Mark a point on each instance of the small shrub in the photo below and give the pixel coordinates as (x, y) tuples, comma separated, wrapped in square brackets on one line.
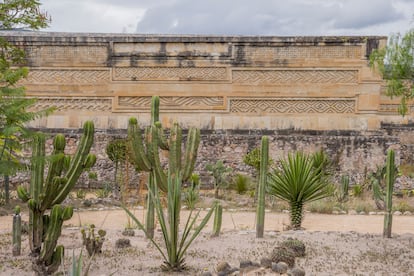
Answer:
[(93, 175), (102, 193), (80, 194), (363, 207), (403, 206), (191, 197), (357, 190), (2, 198), (241, 183), (321, 207)]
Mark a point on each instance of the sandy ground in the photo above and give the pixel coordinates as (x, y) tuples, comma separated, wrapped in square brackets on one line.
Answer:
[(335, 244)]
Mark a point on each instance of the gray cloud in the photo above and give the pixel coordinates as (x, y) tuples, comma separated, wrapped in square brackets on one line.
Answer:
[(264, 17), (225, 17)]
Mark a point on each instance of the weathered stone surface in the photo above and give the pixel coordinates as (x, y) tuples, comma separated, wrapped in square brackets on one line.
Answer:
[(213, 82)]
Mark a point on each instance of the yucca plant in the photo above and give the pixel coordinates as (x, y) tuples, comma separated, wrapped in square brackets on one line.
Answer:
[(298, 181), (175, 245)]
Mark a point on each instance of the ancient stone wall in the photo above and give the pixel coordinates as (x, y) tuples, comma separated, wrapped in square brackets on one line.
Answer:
[(306, 93), (212, 82)]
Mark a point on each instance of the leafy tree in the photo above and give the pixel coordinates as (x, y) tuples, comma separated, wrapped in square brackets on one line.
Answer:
[(395, 63), (219, 172), (298, 181), (14, 107)]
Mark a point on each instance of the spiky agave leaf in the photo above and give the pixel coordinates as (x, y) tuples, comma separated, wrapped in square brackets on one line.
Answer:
[(297, 182)]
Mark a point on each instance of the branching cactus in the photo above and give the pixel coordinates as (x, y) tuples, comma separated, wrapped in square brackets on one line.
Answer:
[(390, 176), (47, 193), (92, 242), (144, 154), (264, 160), (17, 232)]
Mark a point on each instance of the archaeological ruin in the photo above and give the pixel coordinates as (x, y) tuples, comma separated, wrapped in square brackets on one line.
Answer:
[(306, 93)]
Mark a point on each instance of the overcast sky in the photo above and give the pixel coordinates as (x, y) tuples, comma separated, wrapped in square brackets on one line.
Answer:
[(232, 17)]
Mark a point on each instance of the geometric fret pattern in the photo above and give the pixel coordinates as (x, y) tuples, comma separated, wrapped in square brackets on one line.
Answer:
[(292, 106), (169, 103), (67, 76), (269, 54), (294, 76), (169, 73), (66, 104)]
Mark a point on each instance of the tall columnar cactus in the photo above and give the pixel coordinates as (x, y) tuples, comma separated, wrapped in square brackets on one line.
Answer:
[(17, 232), (48, 193), (218, 217), (264, 160), (144, 154), (389, 179)]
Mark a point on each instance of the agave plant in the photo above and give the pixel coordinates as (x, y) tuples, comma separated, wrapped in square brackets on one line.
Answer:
[(298, 181), (176, 245)]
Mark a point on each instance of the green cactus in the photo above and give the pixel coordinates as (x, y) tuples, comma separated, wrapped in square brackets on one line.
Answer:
[(390, 176), (92, 242), (264, 158), (283, 254), (218, 217), (17, 232), (297, 246), (48, 193), (144, 154)]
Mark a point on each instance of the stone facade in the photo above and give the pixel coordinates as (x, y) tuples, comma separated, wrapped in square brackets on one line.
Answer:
[(306, 93), (212, 82)]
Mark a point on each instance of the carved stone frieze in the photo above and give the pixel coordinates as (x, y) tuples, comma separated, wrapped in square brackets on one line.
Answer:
[(62, 76), (172, 103), (294, 76), (66, 104), (170, 73), (292, 105)]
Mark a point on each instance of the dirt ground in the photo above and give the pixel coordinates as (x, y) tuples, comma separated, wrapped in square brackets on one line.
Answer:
[(335, 244)]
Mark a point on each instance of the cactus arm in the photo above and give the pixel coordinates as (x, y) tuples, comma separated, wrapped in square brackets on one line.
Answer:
[(56, 259), (218, 216), (54, 230), (390, 179), (36, 187), (264, 159), (136, 147), (193, 141), (175, 150), (50, 192), (155, 109), (150, 218), (160, 176), (163, 143), (17, 232), (57, 162), (22, 193), (38, 166), (78, 162)]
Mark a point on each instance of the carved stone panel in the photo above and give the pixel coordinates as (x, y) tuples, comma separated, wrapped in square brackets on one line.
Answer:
[(62, 76), (172, 103), (170, 74), (294, 76), (82, 104), (292, 105)]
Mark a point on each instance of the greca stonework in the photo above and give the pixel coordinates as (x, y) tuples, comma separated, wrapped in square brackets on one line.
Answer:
[(306, 93)]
